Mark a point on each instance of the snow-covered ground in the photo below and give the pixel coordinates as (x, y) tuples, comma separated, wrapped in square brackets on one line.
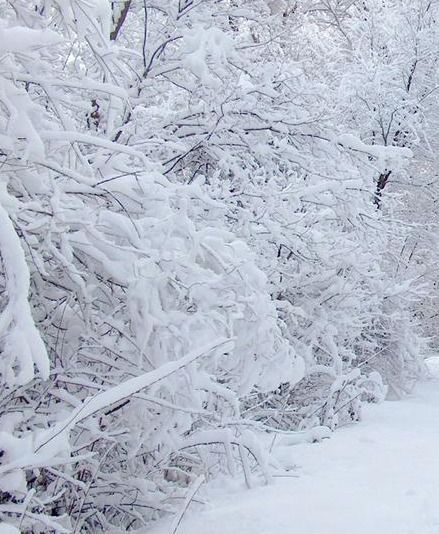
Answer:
[(377, 477)]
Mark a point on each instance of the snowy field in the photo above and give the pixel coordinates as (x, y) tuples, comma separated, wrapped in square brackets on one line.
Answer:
[(377, 477)]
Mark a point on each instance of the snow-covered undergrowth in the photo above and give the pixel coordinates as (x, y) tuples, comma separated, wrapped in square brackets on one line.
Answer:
[(195, 250), (383, 471)]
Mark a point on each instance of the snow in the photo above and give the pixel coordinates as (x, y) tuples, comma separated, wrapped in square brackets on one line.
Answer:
[(8, 529), (376, 477), (203, 185), (16, 322), (386, 155), (84, 138), (19, 39), (122, 391)]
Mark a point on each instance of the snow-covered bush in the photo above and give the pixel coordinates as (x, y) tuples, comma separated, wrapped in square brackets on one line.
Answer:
[(127, 278), (191, 247), (253, 120)]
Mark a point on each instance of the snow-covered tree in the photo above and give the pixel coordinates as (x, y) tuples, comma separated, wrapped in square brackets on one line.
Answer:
[(191, 246)]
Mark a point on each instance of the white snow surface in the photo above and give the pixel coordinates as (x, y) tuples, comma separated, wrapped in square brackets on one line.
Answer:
[(380, 476)]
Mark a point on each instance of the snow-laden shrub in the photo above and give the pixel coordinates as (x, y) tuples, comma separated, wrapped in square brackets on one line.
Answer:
[(155, 318), (126, 296), (188, 235), (256, 128)]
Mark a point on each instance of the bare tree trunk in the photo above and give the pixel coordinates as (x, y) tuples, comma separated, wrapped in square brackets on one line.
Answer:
[(119, 19), (381, 184)]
